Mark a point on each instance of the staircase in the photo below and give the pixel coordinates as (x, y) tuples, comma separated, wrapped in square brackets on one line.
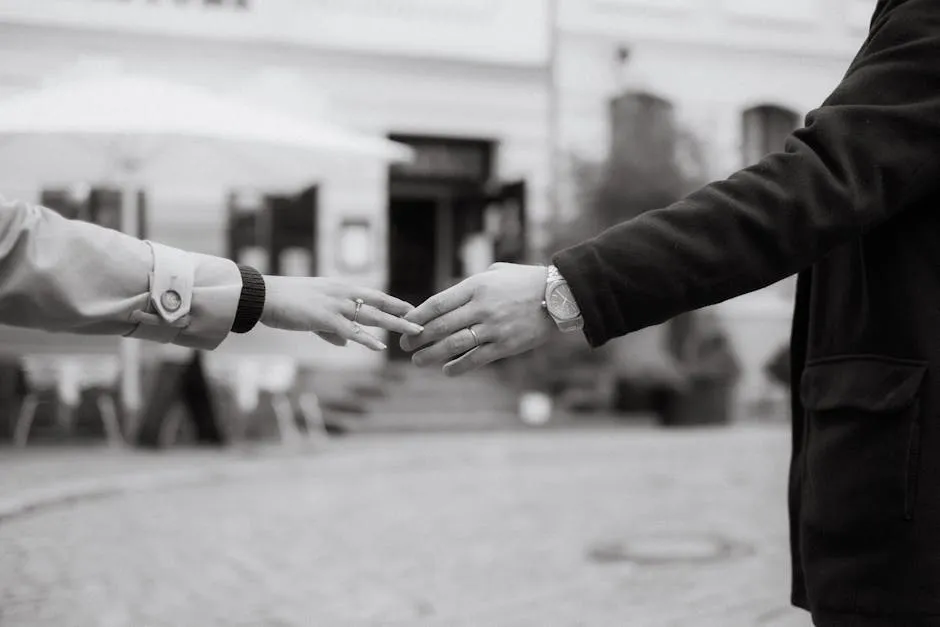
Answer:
[(403, 398)]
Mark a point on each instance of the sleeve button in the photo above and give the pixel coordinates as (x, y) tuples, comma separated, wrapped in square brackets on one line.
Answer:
[(171, 300)]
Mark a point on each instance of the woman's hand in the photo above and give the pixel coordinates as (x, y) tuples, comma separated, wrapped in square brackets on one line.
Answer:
[(328, 308)]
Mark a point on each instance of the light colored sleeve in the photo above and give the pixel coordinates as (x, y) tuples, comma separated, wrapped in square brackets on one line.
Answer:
[(69, 276)]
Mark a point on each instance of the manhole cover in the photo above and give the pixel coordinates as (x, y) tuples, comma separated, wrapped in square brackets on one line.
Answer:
[(667, 549)]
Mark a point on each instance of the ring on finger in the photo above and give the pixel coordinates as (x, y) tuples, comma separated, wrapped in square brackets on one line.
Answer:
[(476, 338), (359, 303)]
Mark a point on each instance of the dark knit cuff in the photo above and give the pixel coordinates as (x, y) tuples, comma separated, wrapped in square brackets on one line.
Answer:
[(251, 302)]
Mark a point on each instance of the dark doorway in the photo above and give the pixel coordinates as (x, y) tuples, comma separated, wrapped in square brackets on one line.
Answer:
[(413, 227)]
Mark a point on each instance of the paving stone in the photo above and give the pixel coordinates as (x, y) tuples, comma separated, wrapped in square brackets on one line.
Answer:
[(445, 530)]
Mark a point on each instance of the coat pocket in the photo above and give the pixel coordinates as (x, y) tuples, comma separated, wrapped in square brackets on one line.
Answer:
[(863, 444)]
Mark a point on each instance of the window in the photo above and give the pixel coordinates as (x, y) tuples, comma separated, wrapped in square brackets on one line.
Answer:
[(765, 130), (275, 234), (506, 214), (99, 205), (642, 127)]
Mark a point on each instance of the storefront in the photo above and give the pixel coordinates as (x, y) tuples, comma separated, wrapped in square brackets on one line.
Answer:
[(461, 81)]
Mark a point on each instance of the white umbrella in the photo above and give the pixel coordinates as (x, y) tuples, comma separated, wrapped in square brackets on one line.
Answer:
[(160, 131), (136, 130)]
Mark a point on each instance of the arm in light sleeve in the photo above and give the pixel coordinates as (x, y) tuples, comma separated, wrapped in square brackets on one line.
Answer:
[(870, 151), (64, 275)]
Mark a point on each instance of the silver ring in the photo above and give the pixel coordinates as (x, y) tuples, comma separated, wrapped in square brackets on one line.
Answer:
[(476, 338), (359, 304)]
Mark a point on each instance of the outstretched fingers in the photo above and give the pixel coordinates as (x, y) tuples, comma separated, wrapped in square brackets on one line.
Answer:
[(443, 303), (476, 358), (372, 316), (442, 327), (354, 332), (381, 301)]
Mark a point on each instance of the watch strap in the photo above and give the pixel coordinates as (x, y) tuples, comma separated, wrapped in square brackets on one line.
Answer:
[(568, 326)]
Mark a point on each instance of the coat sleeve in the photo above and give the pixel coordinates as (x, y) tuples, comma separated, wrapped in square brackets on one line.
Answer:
[(871, 150), (71, 276)]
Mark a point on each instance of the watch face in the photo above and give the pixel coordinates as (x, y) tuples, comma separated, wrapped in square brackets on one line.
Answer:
[(561, 303)]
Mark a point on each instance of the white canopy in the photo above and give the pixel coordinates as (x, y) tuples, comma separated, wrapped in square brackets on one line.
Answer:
[(140, 123), (138, 131)]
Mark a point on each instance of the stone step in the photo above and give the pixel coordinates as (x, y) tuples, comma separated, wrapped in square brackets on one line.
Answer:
[(424, 381), (419, 382), (431, 422), (427, 389), (403, 398), (469, 393), (430, 406)]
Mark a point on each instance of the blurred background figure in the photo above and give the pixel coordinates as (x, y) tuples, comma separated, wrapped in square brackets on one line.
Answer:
[(181, 382)]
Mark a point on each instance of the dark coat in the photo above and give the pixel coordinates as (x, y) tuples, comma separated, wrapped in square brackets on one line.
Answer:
[(852, 206)]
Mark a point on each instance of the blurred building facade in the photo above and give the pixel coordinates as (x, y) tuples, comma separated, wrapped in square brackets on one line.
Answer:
[(461, 81), (487, 92), (736, 75)]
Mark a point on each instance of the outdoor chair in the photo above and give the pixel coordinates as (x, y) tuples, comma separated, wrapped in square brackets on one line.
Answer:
[(67, 377), (247, 378)]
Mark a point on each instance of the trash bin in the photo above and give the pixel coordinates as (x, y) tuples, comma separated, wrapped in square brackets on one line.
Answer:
[(647, 375), (711, 374), (704, 402)]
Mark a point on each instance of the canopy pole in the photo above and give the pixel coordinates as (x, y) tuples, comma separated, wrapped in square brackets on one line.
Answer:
[(130, 352)]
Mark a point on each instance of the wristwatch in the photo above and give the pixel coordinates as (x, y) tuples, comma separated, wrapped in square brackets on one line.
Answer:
[(560, 302)]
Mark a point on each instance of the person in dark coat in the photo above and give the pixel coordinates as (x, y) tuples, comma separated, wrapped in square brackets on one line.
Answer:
[(853, 206)]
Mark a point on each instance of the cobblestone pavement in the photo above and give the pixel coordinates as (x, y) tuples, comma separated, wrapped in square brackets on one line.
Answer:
[(36, 477), (447, 530)]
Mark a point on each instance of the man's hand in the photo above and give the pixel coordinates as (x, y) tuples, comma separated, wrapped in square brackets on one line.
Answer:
[(328, 308), (495, 314)]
